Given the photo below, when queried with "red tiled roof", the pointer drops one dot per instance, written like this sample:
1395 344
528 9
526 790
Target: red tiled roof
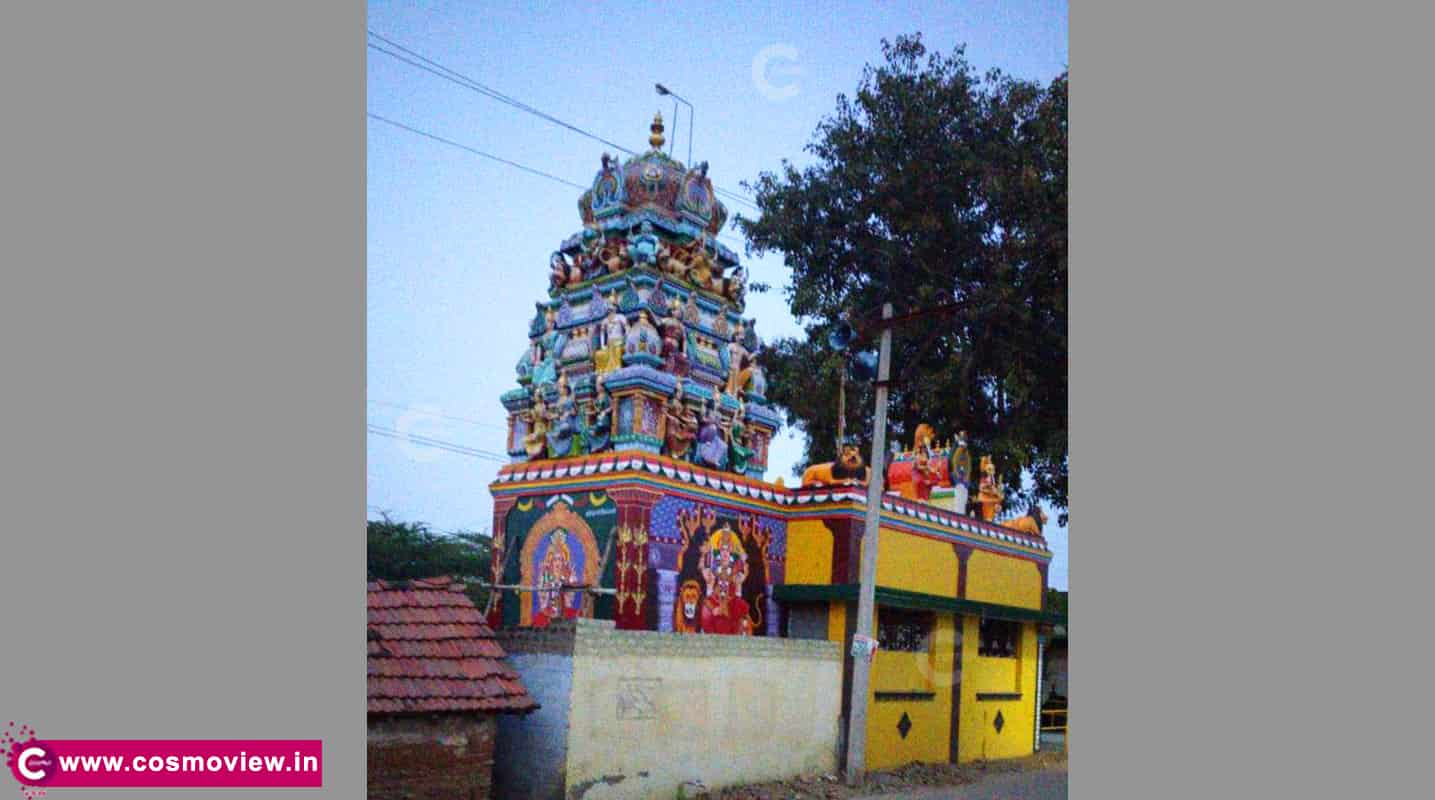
429 650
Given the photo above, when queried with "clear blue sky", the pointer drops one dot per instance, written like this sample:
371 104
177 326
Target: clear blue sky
458 245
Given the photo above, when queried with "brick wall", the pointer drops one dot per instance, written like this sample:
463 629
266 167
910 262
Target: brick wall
431 756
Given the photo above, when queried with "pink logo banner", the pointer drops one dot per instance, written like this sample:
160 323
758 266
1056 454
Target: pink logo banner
167 763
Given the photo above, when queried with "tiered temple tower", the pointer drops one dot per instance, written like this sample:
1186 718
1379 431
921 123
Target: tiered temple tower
641 344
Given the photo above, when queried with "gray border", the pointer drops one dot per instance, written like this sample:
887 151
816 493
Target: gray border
183 324
1248 185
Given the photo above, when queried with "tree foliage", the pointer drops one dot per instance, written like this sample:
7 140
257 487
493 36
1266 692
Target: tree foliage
1056 600
932 186
408 550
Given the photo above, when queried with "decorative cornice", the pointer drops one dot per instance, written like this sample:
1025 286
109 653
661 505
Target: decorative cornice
906 515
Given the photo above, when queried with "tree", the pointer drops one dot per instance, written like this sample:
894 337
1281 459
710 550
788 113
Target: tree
932 186
1056 600
408 550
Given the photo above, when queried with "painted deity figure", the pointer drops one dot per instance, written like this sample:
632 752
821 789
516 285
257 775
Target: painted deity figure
524 368
545 351
711 445
563 436
644 247
613 255
734 286
680 425
675 341
737 357
557 570
599 431
739 453
557 272
757 379
673 261
588 255
535 442
643 337
924 474
700 266
608 355
959 467
989 492
724 568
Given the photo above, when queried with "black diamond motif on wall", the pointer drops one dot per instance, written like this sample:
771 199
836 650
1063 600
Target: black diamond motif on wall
999 722
904 724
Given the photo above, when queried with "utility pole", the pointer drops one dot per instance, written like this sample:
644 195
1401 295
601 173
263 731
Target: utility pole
866 597
841 407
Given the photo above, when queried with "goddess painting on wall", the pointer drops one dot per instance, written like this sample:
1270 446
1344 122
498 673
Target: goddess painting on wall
559 551
724 569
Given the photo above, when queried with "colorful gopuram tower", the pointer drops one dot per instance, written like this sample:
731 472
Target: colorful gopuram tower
640 357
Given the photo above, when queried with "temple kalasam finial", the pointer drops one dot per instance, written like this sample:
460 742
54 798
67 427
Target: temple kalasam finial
656 140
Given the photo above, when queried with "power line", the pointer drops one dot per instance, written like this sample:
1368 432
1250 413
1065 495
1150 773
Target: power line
476 152
420 439
403 407
453 76
459 78
437 444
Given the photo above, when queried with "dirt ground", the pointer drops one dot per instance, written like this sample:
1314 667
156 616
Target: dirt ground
902 780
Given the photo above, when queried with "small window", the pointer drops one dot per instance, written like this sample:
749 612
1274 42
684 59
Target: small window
903 631
999 638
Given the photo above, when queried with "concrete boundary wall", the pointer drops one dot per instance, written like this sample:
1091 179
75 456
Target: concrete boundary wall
633 714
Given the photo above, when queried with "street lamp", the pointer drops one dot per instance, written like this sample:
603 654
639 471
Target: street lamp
663 90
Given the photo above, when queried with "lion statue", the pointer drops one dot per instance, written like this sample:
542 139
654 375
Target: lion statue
1029 524
848 470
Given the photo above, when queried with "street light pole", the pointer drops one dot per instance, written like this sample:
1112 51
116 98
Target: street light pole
867 593
665 90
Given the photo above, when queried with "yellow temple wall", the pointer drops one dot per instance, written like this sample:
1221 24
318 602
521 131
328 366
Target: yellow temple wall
978 737
929 566
809 552
915 563
1008 581
928 738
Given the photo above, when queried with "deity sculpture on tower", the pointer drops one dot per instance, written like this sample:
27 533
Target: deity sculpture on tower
563 438
546 348
608 352
989 491
959 466
599 431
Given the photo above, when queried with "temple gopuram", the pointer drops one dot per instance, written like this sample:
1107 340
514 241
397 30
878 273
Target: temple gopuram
639 429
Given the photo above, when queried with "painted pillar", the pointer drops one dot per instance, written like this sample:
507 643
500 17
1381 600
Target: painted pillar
501 507
964 552
632 575
667 597
1040 668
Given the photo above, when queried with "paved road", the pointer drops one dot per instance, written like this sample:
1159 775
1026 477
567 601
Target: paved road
1045 784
